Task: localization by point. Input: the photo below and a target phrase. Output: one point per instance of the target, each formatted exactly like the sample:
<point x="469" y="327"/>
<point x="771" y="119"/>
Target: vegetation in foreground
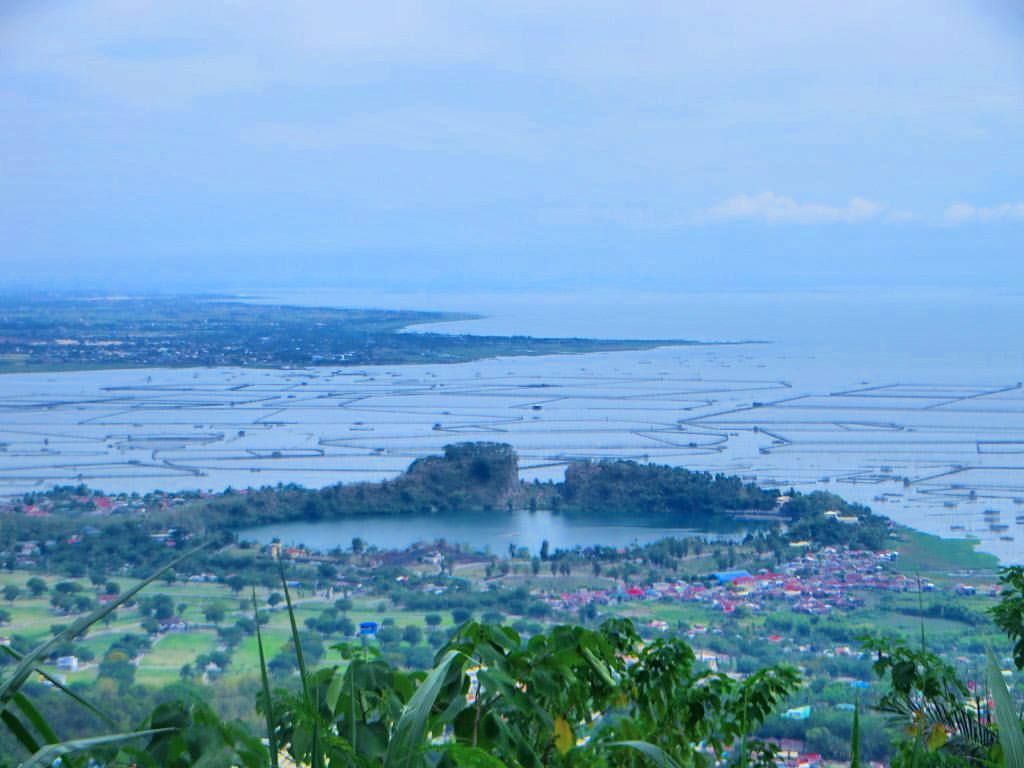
<point x="569" y="696"/>
<point x="227" y="653"/>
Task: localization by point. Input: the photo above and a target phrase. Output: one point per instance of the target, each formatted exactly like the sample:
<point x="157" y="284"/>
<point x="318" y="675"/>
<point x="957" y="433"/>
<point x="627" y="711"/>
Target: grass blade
<point x="295" y="633"/>
<point x="38" y="722"/>
<point x="1011" y="736"/>
<point x="64" y="689"/>
<point x="410" y="731"/>
<point x="855" y="737"/>
<point x="312" y="706"/>
<point x="13" y="682"/>
<point x="46" y="756"/>
<point x="265" y="681"/>
<point x="21" y="734"/>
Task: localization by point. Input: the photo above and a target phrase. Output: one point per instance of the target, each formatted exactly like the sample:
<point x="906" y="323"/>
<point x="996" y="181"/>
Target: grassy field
<point x="943" y="561"/>
<point x="935" y="557"/>
<point x="33" y="618"/>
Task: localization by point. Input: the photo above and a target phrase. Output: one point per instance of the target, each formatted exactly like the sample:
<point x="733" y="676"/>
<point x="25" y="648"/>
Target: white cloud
<point x="770" y="207"/>
<point x="962" y="213"/>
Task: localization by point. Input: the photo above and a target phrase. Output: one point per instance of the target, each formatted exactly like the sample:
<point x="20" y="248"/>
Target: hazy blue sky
<point x="511" y="144"/>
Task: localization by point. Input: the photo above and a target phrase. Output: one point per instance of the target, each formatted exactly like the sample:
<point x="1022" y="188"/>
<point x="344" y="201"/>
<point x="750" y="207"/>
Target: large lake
<point x="908" y="400"/>
<point x="492" y="532"/>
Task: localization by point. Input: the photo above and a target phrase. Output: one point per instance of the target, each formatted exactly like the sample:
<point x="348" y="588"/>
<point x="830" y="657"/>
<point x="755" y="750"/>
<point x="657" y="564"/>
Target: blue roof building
<point x="727" y="577"/>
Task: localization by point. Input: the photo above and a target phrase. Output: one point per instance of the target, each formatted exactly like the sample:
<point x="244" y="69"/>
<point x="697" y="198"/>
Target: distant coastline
<point x="49" y="334"/>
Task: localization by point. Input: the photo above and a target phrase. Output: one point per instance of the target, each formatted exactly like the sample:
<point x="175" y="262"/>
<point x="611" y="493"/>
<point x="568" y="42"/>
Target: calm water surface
<point x="907" y="400"/>
<point x="491" y="532"/>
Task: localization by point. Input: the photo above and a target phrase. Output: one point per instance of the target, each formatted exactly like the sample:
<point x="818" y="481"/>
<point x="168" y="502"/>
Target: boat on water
<point x="956" y="527"/>
<point x="999" y="527"/>
<point x="1006" y="538"/>
<point x="991" y="513"/>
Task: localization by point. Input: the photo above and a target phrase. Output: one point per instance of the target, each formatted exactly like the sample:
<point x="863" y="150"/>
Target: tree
<point x="345" y="626"/>
<point x="235" y="583"/>
<point x="67" y="587"/>
<point x="535" y="565"/>
<point x="36" y="586"/>
<point x="461" y="615"/>
<point x="11" y="592"/>
<point x="343" y="604"/>
<point x="326" y="571"/>
<point x="412" y="635"/>
<point x="215" y="613"/>
<point x="274" y="599"/>
<point x="433" y="620"/>
<point x="118" y="666"/>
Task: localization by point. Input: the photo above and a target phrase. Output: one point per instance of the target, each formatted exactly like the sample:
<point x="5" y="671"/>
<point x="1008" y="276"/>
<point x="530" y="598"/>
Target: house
<point x="173" y="624"/>
<point x="728" y="577"/>
<point x="715" y="661"/>
<point x="798" y="713"/>
<point x="67" y="663"/>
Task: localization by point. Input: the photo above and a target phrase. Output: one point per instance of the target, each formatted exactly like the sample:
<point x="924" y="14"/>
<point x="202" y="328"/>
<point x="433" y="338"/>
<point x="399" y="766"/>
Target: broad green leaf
<point x="564" y="740"/>
<point x="471" y="757"/>
<point x="655" y="754"/>
<point x="1011" y="737"/>
<point x="410" y="732"/>
<point x="937" y="736"/>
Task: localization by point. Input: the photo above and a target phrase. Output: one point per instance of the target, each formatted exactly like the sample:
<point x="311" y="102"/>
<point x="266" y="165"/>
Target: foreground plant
<point x="28" y="726"/>
<point x="571" y="696"/>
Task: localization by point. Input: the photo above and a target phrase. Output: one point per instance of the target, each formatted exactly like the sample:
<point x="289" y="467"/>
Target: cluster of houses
<point x="64" y="501"/>
<point x="815" y="583"/>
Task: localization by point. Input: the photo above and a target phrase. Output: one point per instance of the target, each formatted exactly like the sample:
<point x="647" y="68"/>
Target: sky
<point x="511" y="145"/>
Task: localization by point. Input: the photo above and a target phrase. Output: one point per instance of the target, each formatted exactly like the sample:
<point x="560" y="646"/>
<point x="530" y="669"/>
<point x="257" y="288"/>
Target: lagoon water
<point x="908" y="400"/>
<point x="491" y="532"/>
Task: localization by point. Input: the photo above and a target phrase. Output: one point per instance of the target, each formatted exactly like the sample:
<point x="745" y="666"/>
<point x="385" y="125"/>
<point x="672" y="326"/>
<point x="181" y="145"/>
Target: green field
<point x="933" y="556"/>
